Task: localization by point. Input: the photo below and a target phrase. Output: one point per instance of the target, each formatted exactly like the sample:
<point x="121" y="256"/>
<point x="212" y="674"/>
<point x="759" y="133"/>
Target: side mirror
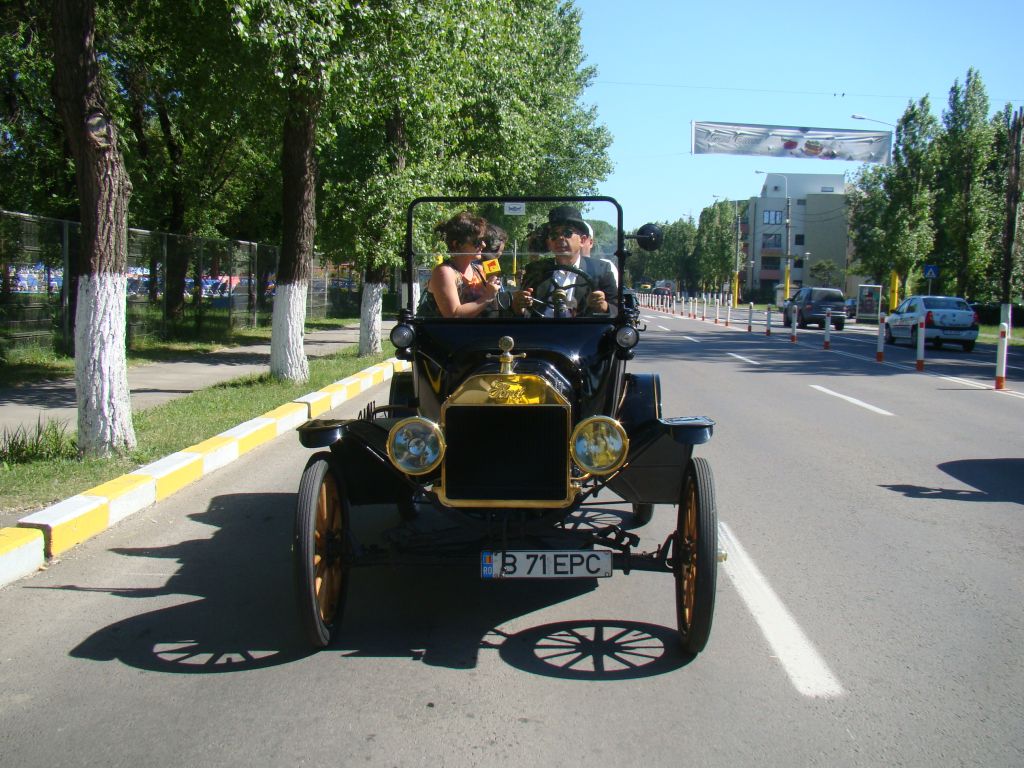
<point x="649" y="237"/>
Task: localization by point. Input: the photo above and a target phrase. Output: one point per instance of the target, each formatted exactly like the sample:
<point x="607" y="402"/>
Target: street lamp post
<point x="736" y="268"/>
<point x="789" y="256"/>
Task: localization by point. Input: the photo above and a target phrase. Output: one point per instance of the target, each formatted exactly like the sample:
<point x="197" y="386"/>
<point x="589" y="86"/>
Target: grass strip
<point x="168" y="428"/>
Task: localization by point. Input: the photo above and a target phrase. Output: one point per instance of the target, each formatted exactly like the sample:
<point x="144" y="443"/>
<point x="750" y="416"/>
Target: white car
<point x="946" y="318"/>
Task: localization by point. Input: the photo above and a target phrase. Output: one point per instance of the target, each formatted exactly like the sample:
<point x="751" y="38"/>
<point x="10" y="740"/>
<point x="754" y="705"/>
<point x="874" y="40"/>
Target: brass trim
<point x="434" y="428"/>
<point x="618" y="428"/>
<point x="490" y="390"/>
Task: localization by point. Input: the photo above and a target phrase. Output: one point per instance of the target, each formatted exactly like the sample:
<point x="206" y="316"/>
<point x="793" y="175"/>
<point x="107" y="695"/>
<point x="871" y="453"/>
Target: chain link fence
<point x="178" y="287"/>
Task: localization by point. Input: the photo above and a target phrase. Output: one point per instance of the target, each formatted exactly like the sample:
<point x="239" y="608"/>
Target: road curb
<point x="55" y="529"/>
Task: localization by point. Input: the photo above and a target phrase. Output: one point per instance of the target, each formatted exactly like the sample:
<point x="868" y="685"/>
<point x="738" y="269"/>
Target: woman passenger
<point x="457" y="286"/>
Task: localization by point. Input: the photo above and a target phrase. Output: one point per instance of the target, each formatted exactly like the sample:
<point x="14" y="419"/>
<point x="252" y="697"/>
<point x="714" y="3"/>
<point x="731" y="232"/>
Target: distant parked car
<point x="946" y="318"/>
<point x="851" y="308"/>
<point x="811" y="306"/>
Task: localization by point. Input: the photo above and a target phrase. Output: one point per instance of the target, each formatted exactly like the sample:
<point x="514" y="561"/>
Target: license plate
<point x="546" y="564"/>
<point x="949" y="332"/>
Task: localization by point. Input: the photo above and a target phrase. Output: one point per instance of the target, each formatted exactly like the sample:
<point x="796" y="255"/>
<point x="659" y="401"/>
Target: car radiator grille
<point x="497" y="452"/>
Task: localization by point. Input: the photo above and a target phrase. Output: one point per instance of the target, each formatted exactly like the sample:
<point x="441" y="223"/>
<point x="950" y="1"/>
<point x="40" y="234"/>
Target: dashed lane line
<point x="804" y="666"/>
<point x="853" y="400"/>
<point x="744" y="359"/>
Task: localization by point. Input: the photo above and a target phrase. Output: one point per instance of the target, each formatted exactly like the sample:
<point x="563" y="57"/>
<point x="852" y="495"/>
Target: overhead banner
<point x="787" y="141"/>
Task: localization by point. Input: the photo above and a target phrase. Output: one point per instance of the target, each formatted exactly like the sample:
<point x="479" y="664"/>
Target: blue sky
<point x="664" y="64"/>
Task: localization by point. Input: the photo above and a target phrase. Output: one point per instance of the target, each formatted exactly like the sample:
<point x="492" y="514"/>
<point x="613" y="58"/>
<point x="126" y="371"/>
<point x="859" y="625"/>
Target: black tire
<point x="968" y="346"/>
<point x="800" y="321"/>
<point x="642" y="514"/>
<point x="695" y="559"/>
<point x="821" y="325"/>
<point x="785" y="319"/>
<point x="321" y="549"/>
<point x="913" y="337"/>
<point x="840" y="325"/>
<point x="889" y="339"/>
<point x="937" y="342"/>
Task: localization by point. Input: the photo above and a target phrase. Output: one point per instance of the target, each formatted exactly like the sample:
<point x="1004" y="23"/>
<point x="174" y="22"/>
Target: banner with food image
<point x="787" y="141"/>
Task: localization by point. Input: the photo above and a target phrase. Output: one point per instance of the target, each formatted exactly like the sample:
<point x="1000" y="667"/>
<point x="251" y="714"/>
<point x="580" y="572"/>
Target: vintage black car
<point x="505" y="425"/>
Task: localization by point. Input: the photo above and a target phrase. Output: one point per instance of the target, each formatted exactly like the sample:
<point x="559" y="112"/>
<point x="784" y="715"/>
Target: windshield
<point x="535" y="257"/>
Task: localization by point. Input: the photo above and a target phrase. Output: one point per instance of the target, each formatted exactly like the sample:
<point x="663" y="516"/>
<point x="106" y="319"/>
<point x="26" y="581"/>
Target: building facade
<point x="815" y="206"/>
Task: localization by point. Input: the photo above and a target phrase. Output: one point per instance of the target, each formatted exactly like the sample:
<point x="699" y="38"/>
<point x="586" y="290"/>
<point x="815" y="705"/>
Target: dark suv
<point x="811" y="305"/>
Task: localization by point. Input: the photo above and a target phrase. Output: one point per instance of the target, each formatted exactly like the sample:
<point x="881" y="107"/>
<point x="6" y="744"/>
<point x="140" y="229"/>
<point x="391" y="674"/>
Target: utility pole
<point x="1012" y="204"/>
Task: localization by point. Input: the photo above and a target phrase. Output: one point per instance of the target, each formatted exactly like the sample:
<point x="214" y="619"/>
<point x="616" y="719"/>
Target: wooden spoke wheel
<point x="321" y="549"/>
<point x="695" y="561"/>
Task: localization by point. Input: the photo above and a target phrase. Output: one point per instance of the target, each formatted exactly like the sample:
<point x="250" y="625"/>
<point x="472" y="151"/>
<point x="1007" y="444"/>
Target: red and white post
<point x="768" y="322"/>
<point x="792" y="325"/>
<point x="1001" y="356"/>
<point x="920" y="344"/>
<point x="704" y="309"/>
<point x="828" y="328"/>
<point x="880" y="350"/>
<point x="717" y="305"/>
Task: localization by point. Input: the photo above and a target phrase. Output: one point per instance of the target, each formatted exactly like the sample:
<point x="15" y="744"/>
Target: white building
<point x="818" y="230"/>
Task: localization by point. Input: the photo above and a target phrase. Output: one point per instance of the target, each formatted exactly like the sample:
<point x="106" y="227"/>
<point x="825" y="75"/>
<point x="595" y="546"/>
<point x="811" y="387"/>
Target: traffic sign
<point x="931" y="271"/>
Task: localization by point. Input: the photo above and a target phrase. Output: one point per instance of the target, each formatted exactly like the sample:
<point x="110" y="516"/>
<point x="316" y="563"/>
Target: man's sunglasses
<point x="565" y="232"/>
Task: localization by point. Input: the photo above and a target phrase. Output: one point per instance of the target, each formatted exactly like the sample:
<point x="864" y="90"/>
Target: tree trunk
<point x="298" y="170"/>
<point x="369" y="318"/>
<point x="101" y="380"/>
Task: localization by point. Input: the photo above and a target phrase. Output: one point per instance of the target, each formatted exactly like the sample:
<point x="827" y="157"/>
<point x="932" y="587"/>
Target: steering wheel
<point x="546" y="291"/>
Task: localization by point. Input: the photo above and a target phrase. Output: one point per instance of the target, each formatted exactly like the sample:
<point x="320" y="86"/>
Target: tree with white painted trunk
<point x="101" y="377"/>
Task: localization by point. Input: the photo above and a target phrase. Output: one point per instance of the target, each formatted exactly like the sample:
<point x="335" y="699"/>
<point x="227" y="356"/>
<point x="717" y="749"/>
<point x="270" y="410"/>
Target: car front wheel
<point x="968" y="346"/>
<point x="695" y="559"/>
<point x="840" y="325"/>
<point x="321" y="549"/>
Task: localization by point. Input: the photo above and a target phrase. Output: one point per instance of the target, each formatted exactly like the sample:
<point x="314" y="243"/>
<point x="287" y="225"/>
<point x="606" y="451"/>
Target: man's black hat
<point x="566" y="214"/>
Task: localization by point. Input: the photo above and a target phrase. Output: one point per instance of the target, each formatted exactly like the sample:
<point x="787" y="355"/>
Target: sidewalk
<point x="155" y="383"/>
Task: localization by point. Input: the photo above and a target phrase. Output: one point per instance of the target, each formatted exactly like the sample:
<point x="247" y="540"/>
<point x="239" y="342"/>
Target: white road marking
<point x="849" y="399"/>
<point x="662" y="327"/>
<point x="804" y="666"/>
<point x="744" y="359"/>
<point x="690" y="338"/>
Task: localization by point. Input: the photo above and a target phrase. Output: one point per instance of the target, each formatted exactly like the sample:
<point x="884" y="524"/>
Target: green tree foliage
<point x="35" y="163"/>
<point x="943" y="200"/>
<point x="967" y="210"/>
<point x="716" y="245"/>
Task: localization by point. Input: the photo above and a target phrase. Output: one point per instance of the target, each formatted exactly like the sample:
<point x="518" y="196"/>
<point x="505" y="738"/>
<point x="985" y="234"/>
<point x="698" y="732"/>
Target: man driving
<point x="583" y="295"/>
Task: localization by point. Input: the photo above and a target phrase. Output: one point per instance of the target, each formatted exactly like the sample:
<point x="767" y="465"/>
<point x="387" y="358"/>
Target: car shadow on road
<point x="244" y="615"/>
<point x="992" y="480"/>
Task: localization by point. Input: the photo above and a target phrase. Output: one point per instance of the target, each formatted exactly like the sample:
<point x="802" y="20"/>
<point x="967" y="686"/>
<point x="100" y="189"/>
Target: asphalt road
<point x="870" y="612"/>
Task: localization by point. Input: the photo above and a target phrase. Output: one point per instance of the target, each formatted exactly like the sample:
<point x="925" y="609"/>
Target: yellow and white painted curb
<point x="59" y="527"/>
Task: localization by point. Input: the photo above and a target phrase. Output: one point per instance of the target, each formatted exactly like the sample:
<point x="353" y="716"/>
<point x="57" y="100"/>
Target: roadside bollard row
<point x="692" y="310"/>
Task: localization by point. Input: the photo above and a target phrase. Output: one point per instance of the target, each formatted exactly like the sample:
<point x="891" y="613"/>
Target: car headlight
<point x="627" y="337"/>
<point x="402" y="336"/>
<point x="416" y="446"/>
<point x="599" y="445"/>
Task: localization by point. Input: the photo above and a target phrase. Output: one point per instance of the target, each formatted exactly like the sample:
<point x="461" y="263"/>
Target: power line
<point x="837" y="94"/>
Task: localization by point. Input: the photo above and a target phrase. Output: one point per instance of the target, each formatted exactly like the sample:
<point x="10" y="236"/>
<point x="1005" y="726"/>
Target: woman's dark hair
<point x="463" y="227"/>
<point x="496" y="238"/>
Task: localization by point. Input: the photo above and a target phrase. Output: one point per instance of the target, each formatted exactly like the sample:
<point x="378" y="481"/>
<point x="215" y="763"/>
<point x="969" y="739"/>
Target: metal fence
<point x="178" y="287"/>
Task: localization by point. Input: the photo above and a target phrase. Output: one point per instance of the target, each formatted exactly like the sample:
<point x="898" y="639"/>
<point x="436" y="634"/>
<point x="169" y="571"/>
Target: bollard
<point x="750" y="318"/>
<point x="828" y="327"/>
<point x="704" y="308"/>
<point x="768" y="322"/>
<point x="920" y="344"/>
<point x="716" y="311"/>
<point x="728" y="314"/>
<point x="880" y="351"/>
<point x="792" y="325"/>
<point x="1001" y="356"/>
